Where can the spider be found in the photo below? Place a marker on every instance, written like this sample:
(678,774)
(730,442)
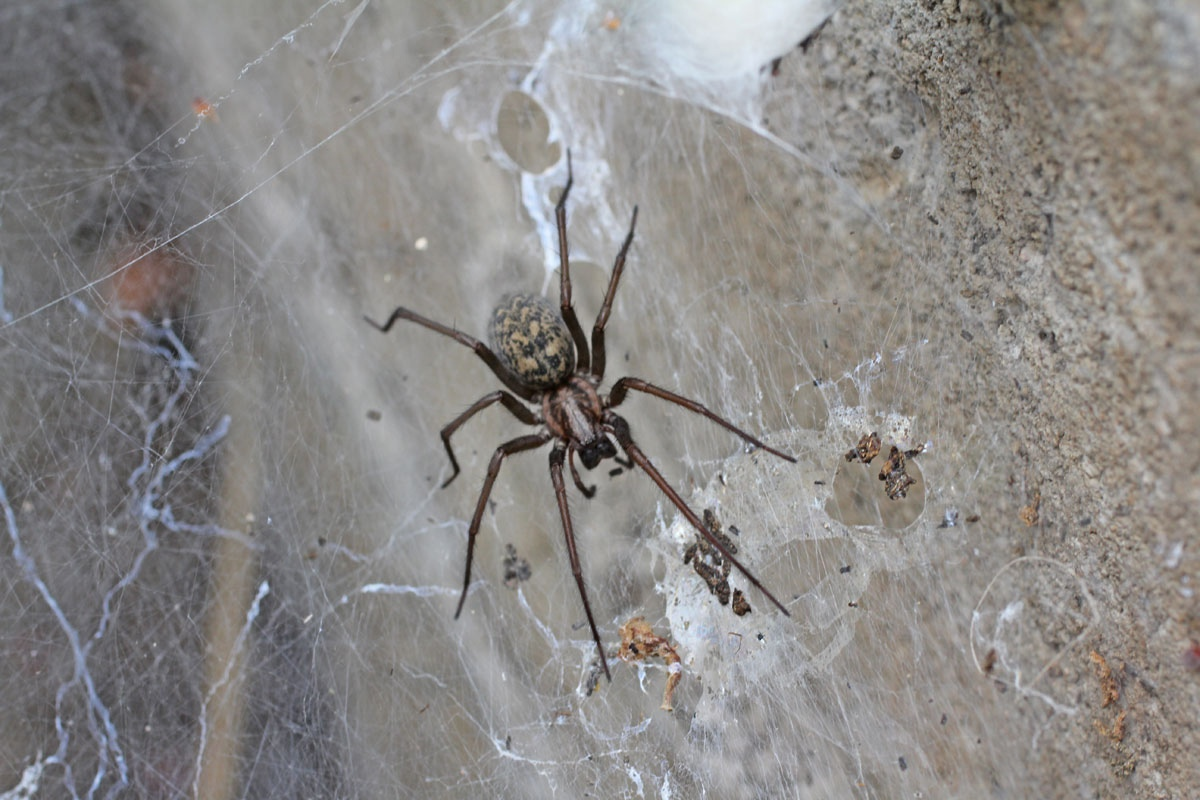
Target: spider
(540,354)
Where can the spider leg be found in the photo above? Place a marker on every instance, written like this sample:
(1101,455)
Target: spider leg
(481,349)
(620,429)
(557,456)
(564,275)
(602,317)
(517,445)
(588,492)
(617,396)
(511,403)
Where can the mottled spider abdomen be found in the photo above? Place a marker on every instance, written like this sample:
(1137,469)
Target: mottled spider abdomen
(531,339)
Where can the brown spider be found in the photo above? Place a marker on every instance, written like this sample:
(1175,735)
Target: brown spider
(543,359)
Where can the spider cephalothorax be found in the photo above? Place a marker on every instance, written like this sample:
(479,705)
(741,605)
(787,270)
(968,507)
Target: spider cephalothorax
(541,355)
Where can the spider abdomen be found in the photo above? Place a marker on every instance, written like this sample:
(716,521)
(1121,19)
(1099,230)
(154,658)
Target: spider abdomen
(532,341)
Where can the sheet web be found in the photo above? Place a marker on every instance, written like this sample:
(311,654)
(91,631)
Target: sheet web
(230,568)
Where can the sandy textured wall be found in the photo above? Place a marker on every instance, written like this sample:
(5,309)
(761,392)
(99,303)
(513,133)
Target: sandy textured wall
(1070,202)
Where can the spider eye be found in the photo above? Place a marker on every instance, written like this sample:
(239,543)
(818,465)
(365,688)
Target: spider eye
(597,451)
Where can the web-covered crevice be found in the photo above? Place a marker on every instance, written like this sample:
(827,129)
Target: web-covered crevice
(139,519)
(230,565)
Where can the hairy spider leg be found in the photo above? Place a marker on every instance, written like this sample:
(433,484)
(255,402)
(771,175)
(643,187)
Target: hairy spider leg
(602,318)
(520,444)
(564,275)
(617,396)
(481,349)
(557,456)
(514,406)
(620,429)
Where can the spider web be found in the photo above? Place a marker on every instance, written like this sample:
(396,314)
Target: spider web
(230,570)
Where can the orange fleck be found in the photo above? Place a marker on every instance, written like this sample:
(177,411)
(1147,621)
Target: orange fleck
(1030,514)
(204,109)
(1108,684)
(150,281)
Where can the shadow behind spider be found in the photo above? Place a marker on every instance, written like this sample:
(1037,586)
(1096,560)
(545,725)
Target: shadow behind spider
(543,359)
